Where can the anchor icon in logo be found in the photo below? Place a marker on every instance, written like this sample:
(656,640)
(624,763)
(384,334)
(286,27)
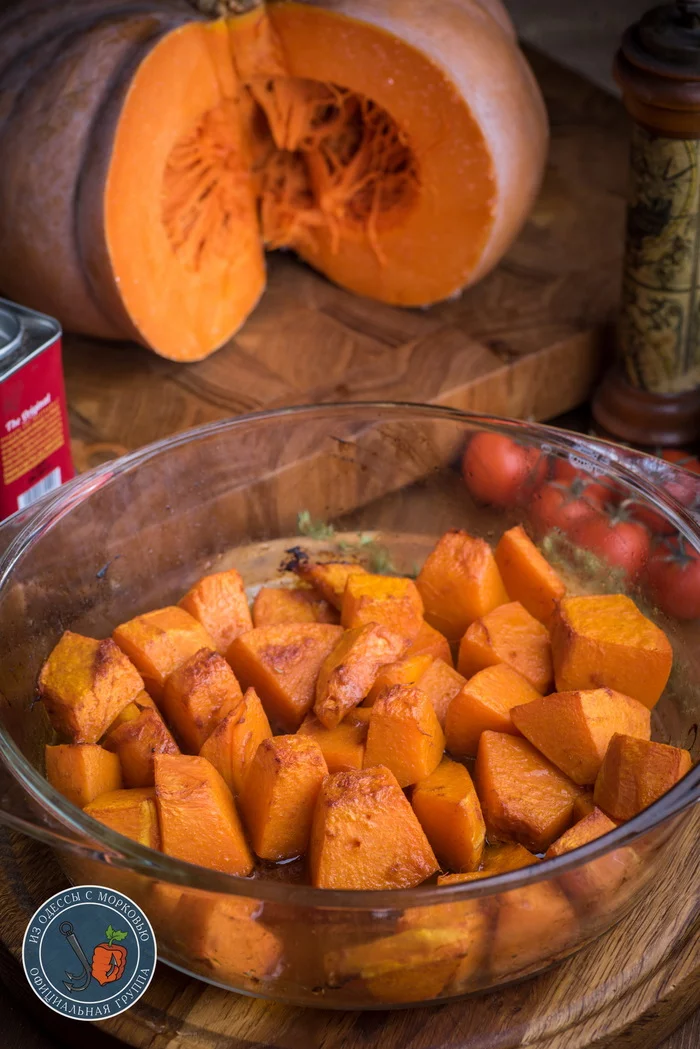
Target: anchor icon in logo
(108,959)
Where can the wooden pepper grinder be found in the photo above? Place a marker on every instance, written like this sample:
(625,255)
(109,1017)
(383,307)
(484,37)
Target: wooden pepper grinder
(652,395)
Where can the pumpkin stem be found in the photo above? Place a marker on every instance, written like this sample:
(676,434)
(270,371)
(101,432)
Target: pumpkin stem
(224,8)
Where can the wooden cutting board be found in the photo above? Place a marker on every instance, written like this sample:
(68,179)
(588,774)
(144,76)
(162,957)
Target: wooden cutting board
(526,342)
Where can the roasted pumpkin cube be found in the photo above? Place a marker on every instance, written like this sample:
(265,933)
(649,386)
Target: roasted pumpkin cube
(457,929)
(232,744)
(449,812)
(524,798)
(534,925)
(159,642)
(592,826)
(508,635)
(415,963)
(279,794)
(597,882)
(390,600)
(485,703)
(583,805)
(132,813)
(459,582)
(136,741)
(604,641)
(404,671)
(198,818)
(365,834)
(343,747)
(573,729)
(132,710)
(82,771)
(635,773)
(85,684)
(441,683)
(350,669)
(197,695)
(329,577)
(430,642)
(278,604)
(495,859)
(404,734)
(527,575)
(225,937)
(220,604)
(282,664)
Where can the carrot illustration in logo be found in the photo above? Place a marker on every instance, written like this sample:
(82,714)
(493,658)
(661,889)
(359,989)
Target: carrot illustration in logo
(109,959)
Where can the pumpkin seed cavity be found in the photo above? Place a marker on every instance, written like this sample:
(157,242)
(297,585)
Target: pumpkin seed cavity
(322,158)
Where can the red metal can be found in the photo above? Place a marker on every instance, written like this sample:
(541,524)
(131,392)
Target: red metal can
(35,453)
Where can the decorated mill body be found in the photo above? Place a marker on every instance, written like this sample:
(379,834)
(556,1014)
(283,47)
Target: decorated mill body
(155,153)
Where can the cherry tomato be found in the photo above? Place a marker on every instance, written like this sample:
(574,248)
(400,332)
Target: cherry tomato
(674,577)
(616,539)
(499,471)
(600,492)
(556,505)
(655,522)
(681,458)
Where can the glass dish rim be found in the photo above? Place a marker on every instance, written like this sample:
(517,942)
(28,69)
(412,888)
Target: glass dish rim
(109,846)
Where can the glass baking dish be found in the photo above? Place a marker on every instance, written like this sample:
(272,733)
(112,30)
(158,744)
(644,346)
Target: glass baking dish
(378,482)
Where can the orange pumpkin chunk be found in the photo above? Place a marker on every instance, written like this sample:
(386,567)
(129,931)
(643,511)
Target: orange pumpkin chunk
(459,582)
(329,578)
(136,741)
(282,664)
(220,604)
(343,747)
(449,812)
(404,734)
(524,798)
(573,729)
(485,702)
(404,672)
(597,882)
(496,859)
(276,604)
(534,925)
(605,641)
(527,575)
(132,710)
(389,600)
(635,773)
(197,695)
(199,822)
(132,813)
(349,671)
(82,771)
(441,684)
(224,937)
(365,834)
(509,635)
(279,795)
(430,642)
(159,642)
(235,739)
(592,826)
(85,684)
(433,945)
(583,805)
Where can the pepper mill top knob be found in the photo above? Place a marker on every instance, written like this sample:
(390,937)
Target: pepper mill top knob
(666,38)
